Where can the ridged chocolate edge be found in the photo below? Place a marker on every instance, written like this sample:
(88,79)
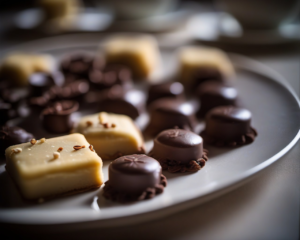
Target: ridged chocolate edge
(110,193)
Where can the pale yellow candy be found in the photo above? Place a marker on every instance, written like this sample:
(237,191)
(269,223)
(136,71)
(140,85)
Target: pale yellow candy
(193,57)
(119,137)
(139,52)
(42,170)
(18,67)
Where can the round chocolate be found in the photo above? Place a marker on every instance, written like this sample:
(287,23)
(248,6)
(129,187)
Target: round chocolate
(177,145)
(167,113)
(11,136)
(203,74)
(133,174)
(110,76)
(40,82)
(117,100)
(162,90)
(77,64)
(57,117)
(227,123)
(213,94)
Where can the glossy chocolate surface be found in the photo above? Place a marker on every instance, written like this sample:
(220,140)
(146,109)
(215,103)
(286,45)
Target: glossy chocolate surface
(11,136)
(228,123)
(213,94)
(57,117)
(117,100)
(133,174)
(168,113)
(177,145)
(162,90)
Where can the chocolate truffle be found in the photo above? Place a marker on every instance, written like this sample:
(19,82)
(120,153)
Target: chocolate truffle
(57,117)
(40,82)
(213,94)
(228,126)
(11,136)
(111,75)
(179,150)
(117,100)
(134,177)
(162,90)
(167,113)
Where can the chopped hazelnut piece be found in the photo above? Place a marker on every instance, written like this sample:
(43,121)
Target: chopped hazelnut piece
(33,141)
(77,147)
(17,150)
(56,155)
(102,118)
(89,123)
(91,148)
(60,149)
(105,125)
(113,125)
(42,140)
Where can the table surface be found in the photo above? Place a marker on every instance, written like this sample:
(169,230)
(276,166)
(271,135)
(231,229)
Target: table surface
(267,207)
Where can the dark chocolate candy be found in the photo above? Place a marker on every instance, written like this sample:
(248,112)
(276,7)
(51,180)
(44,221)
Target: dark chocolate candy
(40,83)
(134,173)
(162,90)
(227,125)
(57,117)
(6,112)
(117,100)
(167,113)
(179,150)
(111,75)
(213,94)
(11,136)
(77,65)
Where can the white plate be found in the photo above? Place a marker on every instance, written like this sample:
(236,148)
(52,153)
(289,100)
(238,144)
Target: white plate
(275,109)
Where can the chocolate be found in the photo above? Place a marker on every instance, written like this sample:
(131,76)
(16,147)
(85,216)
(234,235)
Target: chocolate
(228,126)
(117,100)
(179,150)
(6,112)
(40,82)
(57,117)
(134,177)
(11,136)
(213,94)
(111,75)
(162,90)
(168,113)
(204,74)
(77,65)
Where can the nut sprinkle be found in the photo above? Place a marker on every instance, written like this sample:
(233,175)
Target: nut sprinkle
(59,149)
(42,140)
(91,148)
(89,123)
(78,147)
(56,155)
(16,150)
(33,141)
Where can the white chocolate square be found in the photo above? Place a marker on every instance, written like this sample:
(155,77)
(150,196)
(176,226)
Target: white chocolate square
(18,67)
(111,142)
(139,52)
(41,170)
(192,57)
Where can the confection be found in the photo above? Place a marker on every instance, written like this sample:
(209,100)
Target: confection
(56,118)
(179,150)
(169,113)
(139,52)
(162,90)
(11,136)
(117,100)
(40,82)
(198,64)
(213,94)
(111,75)
(17,67)
(6,112)
(56,166)
(134,177)
(228,126)
(112,135)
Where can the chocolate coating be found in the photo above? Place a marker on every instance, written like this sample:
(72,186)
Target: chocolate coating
(40,82)
(111,75)
(57,117)
(177,145)
(117,100)
(11,136)
(212,94)
(169,113)
(162,90)
(133,174)
(228,125)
